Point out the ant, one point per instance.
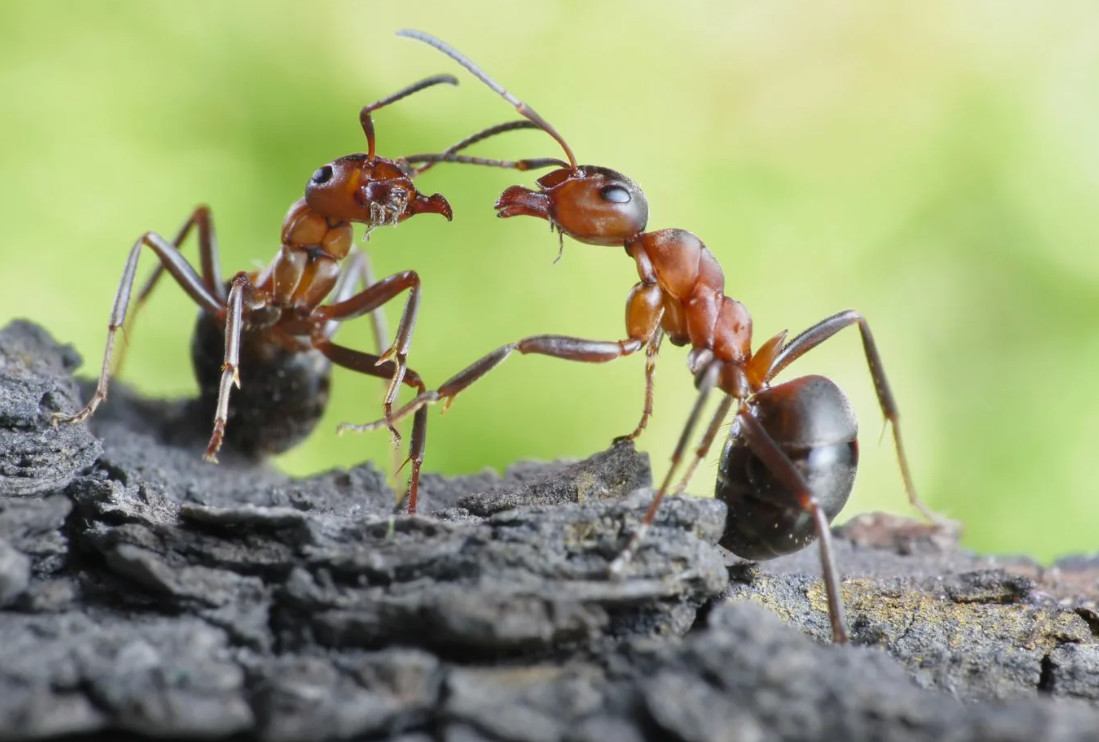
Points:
(267, 332)
(790, 461)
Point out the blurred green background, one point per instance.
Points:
(934, 165)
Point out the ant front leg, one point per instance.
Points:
(370, 299)
(357, 266)
(825, 329)
(555, 346)
(644, 308)
(374, 366)
(707, 379)
(651, 353)
(173, 261)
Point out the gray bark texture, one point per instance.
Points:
(146, 594)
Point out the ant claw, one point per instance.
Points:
(617, 566)
(82, 415)
(952, 529)
(391, 425)
(212, 449)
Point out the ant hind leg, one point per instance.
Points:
(173, 261)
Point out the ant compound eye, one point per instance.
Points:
(615, 194)
(323, 175)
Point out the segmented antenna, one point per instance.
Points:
(536, 163)
(491, 132)
(523, 109)
(450, 154)
(368, 123)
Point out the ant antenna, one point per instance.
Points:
(450, 154)
(481, 75)
(520, 165)
(368, 123)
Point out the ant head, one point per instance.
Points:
(369, 190)
(593, 205)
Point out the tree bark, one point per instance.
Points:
(144, 592)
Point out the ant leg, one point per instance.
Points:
(370, 299)
(208, 262)
(377, 317)
(650, 371)
(344, 289)
(373, 366)
(555, 346)
(368, 123)
(644, 310)
(763, 446)
(185, 276)
(706, 382)
(825, 329)
(230, 367)
(704, 445)
(207, 251)
(358, 266)
(416, 456)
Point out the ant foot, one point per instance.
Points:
(636, 432)
(618, 564)
(947, 527)
(941, 524)
(400, 368)
(59, 417)
(394, 434)
(362, 428)
(900, 533)
(216, 438)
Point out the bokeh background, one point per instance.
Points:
(933, 164)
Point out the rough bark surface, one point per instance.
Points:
(145, 594)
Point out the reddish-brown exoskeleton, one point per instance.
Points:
(790, 461)
(268, 332)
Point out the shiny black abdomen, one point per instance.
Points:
(282, 393)
(812, 421)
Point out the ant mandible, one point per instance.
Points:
(267, 332)
(789, 465)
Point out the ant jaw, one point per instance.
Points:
(520, 201)
(389, 203)
(434, 204)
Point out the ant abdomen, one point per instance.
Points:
(812, 422)
(283, 392)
